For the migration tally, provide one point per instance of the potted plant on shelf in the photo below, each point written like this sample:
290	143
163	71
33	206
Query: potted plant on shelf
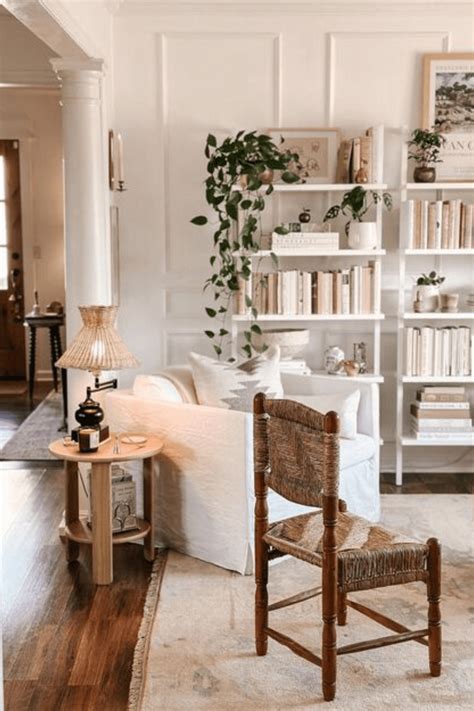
355	204
240	170
425	145
427	292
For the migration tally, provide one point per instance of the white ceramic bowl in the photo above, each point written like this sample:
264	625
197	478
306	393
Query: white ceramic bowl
291	340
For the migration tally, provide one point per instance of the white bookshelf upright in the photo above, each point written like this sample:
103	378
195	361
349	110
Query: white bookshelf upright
440	260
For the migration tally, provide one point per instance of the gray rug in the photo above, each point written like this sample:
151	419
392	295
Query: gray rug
39	429
201	650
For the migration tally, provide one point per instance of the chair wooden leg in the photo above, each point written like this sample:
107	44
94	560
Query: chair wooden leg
261	598
330	603
341	608
434	612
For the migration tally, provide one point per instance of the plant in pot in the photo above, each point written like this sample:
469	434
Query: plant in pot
425	146
427	292
238	173
355	204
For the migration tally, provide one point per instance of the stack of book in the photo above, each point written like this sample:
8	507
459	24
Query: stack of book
295	365
356	153
293	293
306	238
439	351
439	225
441	413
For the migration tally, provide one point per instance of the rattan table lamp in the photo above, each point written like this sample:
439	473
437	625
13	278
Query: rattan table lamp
97	347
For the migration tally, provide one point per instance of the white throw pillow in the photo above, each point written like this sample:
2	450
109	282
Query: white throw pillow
346	407
221	384
156	387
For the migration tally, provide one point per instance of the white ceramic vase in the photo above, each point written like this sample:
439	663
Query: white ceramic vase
362	235
428	294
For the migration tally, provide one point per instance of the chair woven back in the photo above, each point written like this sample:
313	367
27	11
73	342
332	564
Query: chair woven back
297	450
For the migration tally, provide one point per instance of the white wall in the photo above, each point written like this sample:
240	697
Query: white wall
184	69
34	117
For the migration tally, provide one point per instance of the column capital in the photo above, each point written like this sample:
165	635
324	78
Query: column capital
72	65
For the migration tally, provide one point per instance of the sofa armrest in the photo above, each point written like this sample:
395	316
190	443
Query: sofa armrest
368	415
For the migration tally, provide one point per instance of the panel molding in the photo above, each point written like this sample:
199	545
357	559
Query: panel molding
333	37
163	39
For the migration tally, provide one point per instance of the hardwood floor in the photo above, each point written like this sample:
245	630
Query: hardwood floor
68	645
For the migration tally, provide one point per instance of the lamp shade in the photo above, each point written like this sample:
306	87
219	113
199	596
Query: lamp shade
98	345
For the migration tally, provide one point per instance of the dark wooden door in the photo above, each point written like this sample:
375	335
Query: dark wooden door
12	335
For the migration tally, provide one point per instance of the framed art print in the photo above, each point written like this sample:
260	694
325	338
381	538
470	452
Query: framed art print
448	105
317	149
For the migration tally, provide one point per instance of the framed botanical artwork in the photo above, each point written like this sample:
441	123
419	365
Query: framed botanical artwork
317	149
448	105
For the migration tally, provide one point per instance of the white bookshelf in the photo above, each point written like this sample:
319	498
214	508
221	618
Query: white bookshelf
438	191
316	187
310	317
317	253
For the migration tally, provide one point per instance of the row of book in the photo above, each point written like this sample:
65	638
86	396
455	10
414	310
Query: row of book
307	238
441	413
439	351
294	292
358	153
442	224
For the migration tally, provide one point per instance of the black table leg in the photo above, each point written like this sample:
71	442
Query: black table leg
59	352
52	343
31	359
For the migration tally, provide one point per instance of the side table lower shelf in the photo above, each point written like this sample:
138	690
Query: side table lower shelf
80	532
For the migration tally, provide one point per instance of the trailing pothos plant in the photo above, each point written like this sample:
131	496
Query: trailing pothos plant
240	169
356	203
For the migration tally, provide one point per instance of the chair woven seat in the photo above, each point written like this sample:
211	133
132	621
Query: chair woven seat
368	555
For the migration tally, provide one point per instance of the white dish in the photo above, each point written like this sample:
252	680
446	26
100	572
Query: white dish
133	439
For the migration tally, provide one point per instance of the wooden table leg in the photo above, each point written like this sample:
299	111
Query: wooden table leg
102	562
148	498
72	507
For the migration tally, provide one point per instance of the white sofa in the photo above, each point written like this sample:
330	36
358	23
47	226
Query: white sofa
205	499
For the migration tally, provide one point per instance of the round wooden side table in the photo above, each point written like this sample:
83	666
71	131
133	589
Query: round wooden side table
100	536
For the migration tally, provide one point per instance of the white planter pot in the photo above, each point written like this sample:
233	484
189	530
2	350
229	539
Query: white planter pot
428	294
362	235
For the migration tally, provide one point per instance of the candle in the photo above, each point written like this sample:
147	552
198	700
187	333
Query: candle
120	177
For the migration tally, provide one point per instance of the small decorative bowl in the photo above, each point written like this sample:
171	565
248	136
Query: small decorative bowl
351	367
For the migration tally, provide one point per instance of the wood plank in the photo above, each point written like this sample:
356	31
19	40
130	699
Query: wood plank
381	642
381	619
295	647
294	599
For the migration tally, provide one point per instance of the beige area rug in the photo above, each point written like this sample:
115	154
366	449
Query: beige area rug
201	651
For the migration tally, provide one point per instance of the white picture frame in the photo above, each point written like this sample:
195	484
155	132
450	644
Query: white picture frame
448	104
317	148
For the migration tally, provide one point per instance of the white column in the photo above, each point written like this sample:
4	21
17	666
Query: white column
86	201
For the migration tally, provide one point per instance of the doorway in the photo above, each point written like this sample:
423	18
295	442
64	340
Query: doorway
12	336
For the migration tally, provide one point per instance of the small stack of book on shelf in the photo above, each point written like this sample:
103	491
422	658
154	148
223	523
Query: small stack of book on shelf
439	225
441	413
293	293
357	153
295	365
439	351
307	238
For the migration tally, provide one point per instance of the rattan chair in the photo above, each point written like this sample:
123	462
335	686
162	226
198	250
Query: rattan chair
296	453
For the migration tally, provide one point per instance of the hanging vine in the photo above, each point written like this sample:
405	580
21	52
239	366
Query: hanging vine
240	173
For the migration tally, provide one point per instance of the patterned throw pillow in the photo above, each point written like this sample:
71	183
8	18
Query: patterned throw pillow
230	386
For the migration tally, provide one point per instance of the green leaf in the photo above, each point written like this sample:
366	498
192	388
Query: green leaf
247	349
217	349
289	177
211	140
199	220
274	259
256	328
223	332
248	301
210	334
210	312
247	336
280	230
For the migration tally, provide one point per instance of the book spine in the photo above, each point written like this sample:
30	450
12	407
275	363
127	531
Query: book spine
431	243
345	291
438	223
355	158
445	225
410	224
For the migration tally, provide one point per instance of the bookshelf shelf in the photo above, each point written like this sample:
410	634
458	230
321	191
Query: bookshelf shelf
364	378
438	186
316	187
408	441
424	192
440	379
318	253
439	252
439	316
311	317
